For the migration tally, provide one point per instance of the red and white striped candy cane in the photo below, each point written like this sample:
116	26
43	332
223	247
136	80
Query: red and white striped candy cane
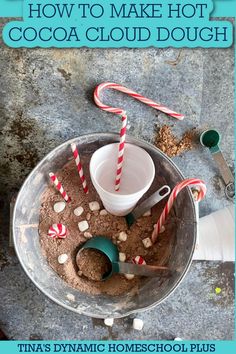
121	151
138	260
172	197
119	111
59	187
79	167
57	231
137	96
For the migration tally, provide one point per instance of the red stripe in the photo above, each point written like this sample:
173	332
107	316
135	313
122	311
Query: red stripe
58	186
119	171
122	131
53	178
121	146
120	159
117	181
136	95
113	84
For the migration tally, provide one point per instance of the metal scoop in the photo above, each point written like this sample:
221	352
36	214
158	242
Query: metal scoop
211	139
107	247
147	204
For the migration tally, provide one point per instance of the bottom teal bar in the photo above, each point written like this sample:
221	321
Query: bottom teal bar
219	347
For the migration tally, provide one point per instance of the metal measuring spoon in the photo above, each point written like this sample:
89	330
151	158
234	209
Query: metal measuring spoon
107	247
211	139
147	204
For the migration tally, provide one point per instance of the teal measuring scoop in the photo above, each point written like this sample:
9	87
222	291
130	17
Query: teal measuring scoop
211	139
107	247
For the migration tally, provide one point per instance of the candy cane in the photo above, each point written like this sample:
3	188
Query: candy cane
79	167
121	152
119	111
138	260
59	187
170	202
137	96
57	231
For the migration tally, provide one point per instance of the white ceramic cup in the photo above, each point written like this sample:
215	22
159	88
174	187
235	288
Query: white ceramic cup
137	176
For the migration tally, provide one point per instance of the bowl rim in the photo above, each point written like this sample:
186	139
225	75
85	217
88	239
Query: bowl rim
98	136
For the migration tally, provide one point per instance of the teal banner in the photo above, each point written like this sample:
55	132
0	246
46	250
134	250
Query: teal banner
14	8
11	8
148	347
100	24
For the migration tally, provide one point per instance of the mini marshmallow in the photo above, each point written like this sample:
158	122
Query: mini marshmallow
88	235
94	206
162	229
147	242
103	212
137	324
122	257
129	276
148	213
178	338
78	211
70	297
62	258
195	193
83	225
59	207
109	322
122	236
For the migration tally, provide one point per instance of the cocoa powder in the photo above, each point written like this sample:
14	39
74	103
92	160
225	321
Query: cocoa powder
106	225
167	142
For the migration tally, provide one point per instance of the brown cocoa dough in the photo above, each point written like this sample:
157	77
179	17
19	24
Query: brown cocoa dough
93	264
106	225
